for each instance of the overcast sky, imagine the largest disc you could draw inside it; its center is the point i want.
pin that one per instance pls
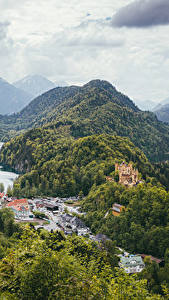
(125, 42)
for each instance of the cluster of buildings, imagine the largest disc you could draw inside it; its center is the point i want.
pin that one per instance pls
(72, 224)
(56, 211)
(63, 217)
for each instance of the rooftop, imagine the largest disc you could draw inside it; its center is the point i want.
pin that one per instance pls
(131, 261)
(17, 202)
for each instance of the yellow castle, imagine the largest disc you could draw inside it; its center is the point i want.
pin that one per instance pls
(128, 176)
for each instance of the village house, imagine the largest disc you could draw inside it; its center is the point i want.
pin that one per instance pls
(20, 208)
(131, 264)
(51, 206)
(128, 176)
(117, 209)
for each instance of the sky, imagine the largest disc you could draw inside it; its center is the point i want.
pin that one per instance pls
(123, 41)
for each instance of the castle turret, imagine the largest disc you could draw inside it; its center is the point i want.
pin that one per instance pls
(127, 175)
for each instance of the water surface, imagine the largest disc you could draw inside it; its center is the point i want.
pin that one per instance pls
(7, 177)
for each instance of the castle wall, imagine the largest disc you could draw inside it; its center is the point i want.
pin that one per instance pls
(127, 174)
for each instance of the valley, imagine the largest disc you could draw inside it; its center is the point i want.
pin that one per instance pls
(71, 143)
(84, 150)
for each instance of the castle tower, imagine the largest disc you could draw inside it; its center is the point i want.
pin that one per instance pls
(127, 175)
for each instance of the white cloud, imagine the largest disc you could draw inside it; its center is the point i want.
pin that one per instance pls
(72, 40)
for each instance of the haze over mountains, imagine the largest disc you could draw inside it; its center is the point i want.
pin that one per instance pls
(145, 105)
(95, 108)
(162, 113)
(162, 110)
(34, 84)
(12, 99)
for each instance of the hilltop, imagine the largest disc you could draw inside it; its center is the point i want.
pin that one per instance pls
(95, 108)
(59, 165)
(70, 139)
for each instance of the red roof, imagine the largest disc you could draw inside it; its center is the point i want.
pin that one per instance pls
(19, 204)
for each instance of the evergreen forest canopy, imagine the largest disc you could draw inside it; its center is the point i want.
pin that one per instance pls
(95, 108)
(78, 134)
(65, 167)
(41, 265)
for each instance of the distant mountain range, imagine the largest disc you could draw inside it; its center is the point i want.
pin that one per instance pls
(95, 108)
(61, 83)
(12, 99)
(162, 111)
(145, 105)
(34, 84)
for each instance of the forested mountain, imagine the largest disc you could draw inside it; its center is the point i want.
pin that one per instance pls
(95, 108)
(79, 134)
(12, 99)
(56, 164)
(36, 113)
(142, 228)
(34, 84)
(63, 166)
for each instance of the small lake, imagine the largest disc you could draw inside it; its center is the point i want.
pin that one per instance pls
(7, 178)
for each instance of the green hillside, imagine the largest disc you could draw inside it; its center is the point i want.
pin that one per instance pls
(95, 108)
(142, 227)
(37, 264)
(59, 166)
(75, 147)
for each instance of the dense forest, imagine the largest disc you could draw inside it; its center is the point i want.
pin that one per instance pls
(161, 172)
(77, 136)
(141, 228)
(66, 167)
(42, 265)
(95, 108)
